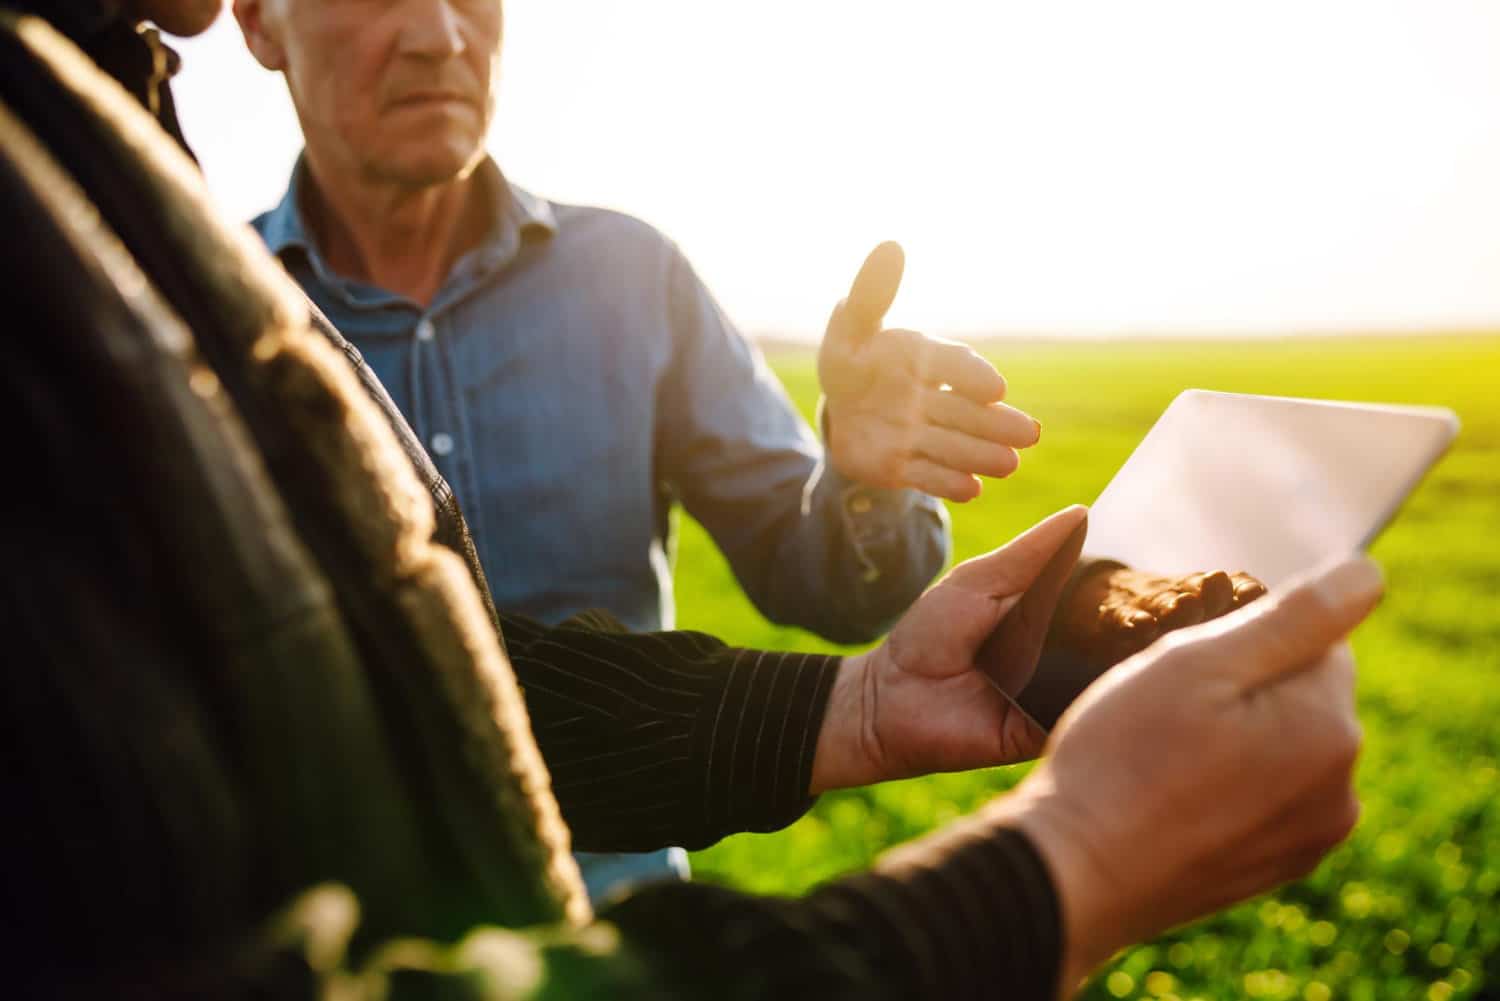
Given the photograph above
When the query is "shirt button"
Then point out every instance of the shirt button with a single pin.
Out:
(442, 443)
(861, 505)
(425, 332)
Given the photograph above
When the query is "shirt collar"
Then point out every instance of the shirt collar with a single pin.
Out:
(518, 215)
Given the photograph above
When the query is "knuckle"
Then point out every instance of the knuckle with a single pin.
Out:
(1306, 864)
(896, 467)
(1185, 646)
(1005, 461)
(1310, 605)
(1338, 670)
(1343, 740)
(924, 360)
(1336, 826)
(1351, 738)
(1353, 810)
(1344, 758)
(890, 353)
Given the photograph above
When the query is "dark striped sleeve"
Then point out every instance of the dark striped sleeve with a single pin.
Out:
(966, 916)
(972, 914)
(672, 738)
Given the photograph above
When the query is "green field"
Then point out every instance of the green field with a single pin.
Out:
(1410, 907)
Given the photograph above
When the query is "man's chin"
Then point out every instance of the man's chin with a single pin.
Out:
(425, 163)
(428, 172)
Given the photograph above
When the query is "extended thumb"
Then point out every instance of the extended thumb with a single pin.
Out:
(875, 288)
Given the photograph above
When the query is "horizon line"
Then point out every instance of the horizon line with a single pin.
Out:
(777, 338)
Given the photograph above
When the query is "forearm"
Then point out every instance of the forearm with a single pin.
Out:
(968, 914)
(670, 738)
(808, 547)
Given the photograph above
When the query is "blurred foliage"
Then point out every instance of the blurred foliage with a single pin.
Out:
(1409, 908)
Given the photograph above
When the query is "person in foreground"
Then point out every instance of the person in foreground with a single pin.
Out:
(263, 738)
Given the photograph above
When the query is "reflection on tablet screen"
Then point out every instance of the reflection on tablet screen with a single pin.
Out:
(1269, 485)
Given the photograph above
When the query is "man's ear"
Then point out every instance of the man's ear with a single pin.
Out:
(261, 33)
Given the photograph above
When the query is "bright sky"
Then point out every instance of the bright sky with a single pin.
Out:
(1058, 166)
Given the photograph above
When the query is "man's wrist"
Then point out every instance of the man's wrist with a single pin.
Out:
(831, 455)
(842, 758)
(853, 490)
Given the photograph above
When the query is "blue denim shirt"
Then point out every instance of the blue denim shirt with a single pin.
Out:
(573, 380)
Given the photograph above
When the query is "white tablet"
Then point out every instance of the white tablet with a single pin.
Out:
(1268, 485)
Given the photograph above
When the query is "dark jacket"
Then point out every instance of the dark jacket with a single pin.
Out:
(256, 720)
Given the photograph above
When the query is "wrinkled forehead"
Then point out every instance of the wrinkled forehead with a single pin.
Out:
(400, 8)
(480, 23)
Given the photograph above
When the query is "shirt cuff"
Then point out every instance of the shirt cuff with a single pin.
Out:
(760, 740)
(872, 517)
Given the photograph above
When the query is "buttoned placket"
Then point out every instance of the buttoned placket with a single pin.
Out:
(435, 410)
(424, 336)
(436, 398)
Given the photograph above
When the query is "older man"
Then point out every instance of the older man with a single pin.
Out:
(572, 377)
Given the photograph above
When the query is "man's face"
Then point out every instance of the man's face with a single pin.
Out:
(177, 17)
(401, 91)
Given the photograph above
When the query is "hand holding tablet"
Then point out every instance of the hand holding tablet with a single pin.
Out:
(1225, 493)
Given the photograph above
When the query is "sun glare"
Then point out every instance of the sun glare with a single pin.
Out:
(1061, 168)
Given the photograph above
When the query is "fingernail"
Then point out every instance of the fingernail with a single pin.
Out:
(1354, 580)
(1038, 430)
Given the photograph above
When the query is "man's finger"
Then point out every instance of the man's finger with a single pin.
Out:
(874, 289)
(1216, 590)
(967, 454)
(1247, 589)
(1021, 737)
(997, 422)
(1015, 566)
(1291, 631)
(938, 480)
(1177, 609)
(1010, 654)
(937, 362)
(1128, 632)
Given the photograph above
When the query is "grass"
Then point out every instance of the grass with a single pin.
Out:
(1409, 908)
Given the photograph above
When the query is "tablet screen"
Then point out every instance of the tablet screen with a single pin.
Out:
(1268, 485)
